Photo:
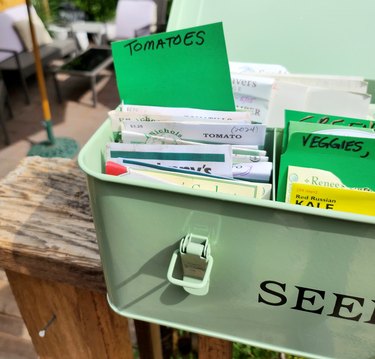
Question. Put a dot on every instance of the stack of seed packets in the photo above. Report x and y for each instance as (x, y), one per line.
(327, 162)
(220, 151)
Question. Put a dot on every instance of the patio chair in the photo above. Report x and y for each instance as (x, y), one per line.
(16, 53)
(134, 18)
(4, 102)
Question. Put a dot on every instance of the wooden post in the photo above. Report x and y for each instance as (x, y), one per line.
(213, 348)
(149, 340)
(84, 325)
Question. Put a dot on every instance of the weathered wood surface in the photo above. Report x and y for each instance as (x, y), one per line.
(46, 228)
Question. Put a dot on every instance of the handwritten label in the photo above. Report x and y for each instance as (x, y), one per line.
(327, 119)
(184, 68)
(190, 38)
(337, 143)
(239, 129)
(338, 121)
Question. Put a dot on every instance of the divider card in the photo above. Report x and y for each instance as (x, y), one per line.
(318, 118)
(351, 159)
(183, 68)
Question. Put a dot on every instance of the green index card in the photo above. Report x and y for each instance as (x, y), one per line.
(183, 68)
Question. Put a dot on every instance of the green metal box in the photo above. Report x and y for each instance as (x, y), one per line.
(284, 277)
(332, 37)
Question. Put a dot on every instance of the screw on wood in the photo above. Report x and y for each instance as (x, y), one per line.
(43, 331)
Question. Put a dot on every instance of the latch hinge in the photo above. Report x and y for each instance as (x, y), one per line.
(196, 262)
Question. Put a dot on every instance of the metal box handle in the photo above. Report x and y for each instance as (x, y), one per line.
(196, 265)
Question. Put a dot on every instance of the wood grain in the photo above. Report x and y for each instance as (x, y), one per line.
(46, 222)
(213, 348)
(85, 327)
(149, 340)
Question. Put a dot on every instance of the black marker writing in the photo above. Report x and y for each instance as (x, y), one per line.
(338, 121)
(189, 39)
(337, 143)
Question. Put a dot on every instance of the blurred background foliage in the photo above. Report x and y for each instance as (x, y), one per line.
(93, 10)
(97, 10)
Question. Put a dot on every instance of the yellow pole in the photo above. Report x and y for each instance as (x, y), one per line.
(40, 76)
(5, 4)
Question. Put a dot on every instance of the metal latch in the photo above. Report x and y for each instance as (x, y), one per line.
(196, 264)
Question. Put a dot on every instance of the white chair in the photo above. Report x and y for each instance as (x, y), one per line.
(16, 47)
(133, 18)
(81, 30)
